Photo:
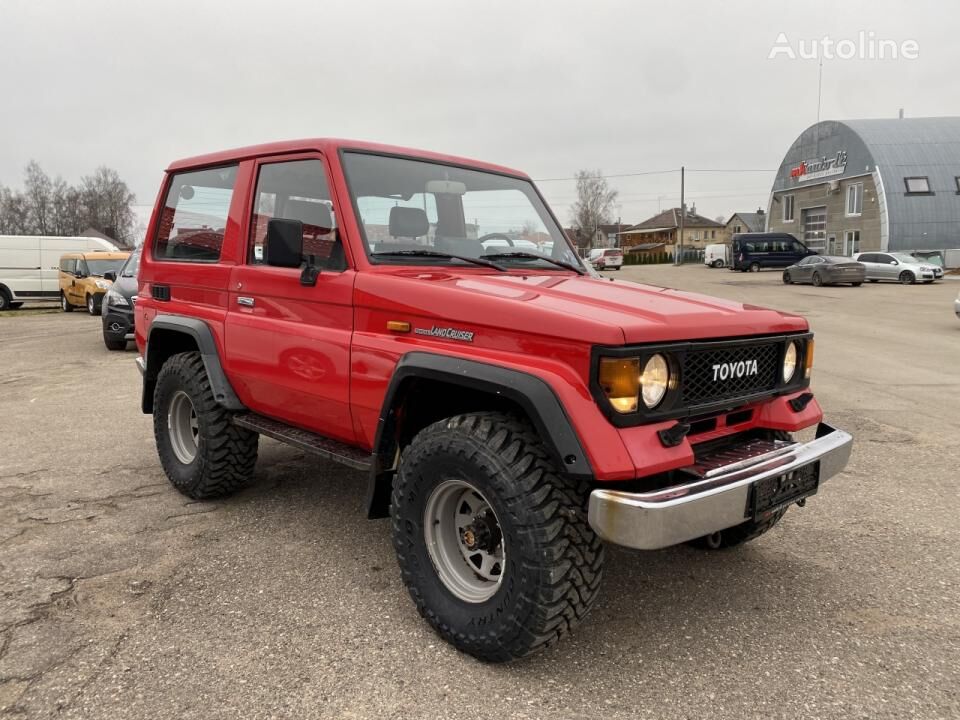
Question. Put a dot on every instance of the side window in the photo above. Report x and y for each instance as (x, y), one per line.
(297, 190)
(68, 265)
(885, 259)
(194, 215)
(82, 266)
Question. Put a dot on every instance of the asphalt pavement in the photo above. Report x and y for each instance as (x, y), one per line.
(120, 598)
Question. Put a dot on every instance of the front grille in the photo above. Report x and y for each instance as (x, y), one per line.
(713, 375)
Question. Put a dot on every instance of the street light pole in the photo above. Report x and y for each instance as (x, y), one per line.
(683, 213)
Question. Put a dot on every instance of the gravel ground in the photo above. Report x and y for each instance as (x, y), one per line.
(120, 598)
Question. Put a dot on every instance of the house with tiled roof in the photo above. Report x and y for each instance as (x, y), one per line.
(698, 231)
(742, 222)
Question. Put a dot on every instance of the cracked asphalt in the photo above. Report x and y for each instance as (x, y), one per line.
(120, 598)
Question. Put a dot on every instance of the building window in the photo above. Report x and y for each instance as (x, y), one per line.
(788, 208)
(918, 185)
(854, 199)
(851, 242)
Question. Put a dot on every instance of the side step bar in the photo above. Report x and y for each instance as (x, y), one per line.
(305, 440)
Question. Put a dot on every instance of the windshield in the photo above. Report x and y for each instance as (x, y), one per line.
(132, 265)
(414, 207)
(99, 267)
(905, 258)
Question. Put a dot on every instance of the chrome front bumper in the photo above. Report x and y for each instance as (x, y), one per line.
(721, 499)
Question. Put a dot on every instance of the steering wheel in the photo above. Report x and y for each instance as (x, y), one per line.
(491, 236)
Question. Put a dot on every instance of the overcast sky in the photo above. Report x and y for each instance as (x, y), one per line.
(546, 87)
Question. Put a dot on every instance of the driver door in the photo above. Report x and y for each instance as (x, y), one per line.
(288, 345)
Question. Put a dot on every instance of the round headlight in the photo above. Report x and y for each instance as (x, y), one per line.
(654, 381)
(790, 361)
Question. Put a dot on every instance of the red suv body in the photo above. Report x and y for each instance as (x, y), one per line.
(347, 297)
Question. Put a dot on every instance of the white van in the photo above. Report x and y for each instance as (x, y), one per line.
(716, 256)
(30, 265)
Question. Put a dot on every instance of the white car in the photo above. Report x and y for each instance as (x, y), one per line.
(898, 267)
(956, 305)
(716, 256)
(606, 258)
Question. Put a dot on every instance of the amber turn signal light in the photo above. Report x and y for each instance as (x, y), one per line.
(808, 365)
(620, 380)
(398, 326)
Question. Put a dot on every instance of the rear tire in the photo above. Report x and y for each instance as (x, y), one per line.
(744, 532)
(65, 304)
(16, 305)
(526, 567)
(857, 284)
(202, 452)
(907, 278)
(817, 280)
(754, 267)
(717, 263)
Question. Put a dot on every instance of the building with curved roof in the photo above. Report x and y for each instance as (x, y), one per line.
(856, 185)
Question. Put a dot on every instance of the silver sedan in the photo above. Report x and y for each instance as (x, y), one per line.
(825, 270)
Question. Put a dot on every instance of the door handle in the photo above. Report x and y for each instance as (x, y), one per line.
(245, 301)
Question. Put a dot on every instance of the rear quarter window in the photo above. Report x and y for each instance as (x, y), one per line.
(194, 215)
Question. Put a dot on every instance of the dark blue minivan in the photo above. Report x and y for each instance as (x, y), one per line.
(753, 251)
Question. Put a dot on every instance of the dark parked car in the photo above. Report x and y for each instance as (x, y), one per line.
(754, 251)
(118, 305)
(826, 270)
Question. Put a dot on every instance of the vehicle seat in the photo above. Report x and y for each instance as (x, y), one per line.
(408, 222)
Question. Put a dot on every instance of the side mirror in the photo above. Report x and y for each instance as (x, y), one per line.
(894, 262)
(110, 275)
(284, 243)
(79, 274)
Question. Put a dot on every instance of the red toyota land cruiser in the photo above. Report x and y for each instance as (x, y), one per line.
(512, 411)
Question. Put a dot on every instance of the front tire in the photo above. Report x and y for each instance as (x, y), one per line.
(493, 543)
(5, 303)
(202, 452)
(786, 278)
(114, 344)
(93, 305)
(907, 278)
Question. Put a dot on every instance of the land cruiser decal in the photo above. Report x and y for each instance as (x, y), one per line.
(446, 332)
(725, 371)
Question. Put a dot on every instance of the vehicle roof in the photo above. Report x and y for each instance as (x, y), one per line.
(330, 146)
(98, 255)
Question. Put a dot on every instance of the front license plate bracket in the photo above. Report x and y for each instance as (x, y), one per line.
(775, 492)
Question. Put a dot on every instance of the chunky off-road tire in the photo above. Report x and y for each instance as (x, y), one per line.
(551, 559)
(224, 455)
(65, 304)
(744, 532)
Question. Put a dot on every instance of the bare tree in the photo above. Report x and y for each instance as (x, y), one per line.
(594, 204)
(38, 191)
(54, 207)
(14, 215)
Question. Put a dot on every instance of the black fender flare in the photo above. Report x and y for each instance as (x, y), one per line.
(529, 392)
(202, 336)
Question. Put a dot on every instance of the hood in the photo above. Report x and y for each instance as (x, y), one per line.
(126, 286)
(582, 308)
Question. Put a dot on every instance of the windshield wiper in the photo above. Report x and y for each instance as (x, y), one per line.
(535, 256)
(438, 254)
